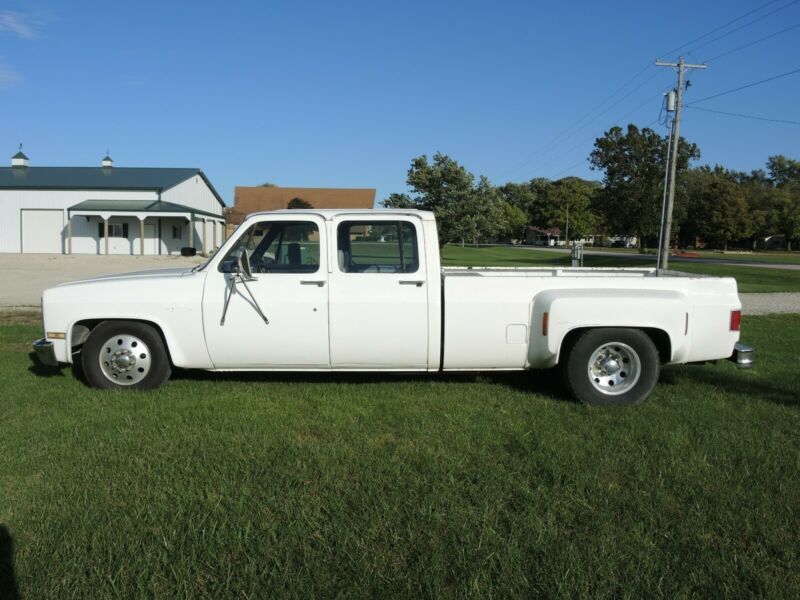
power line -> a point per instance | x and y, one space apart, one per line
753 43
743 87
761 18
705 35
744 116
581 123
581 161
596 135
597 116
561 137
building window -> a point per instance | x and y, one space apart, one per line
115 230
177 232
377 247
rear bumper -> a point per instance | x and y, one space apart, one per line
743 355
45 352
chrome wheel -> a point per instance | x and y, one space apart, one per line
614 368
125 359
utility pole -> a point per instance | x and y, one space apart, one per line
672 164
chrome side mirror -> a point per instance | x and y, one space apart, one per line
244 265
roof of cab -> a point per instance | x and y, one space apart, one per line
330 213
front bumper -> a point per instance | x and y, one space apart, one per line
45 352
743 356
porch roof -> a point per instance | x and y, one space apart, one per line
138 206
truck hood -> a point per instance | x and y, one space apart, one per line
136 275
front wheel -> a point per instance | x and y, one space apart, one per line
612 367
125 355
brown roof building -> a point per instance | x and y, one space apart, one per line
256 199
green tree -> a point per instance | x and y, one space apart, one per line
513 222
633 166
299 203
783 170
570 207
399 201
529 197
464 210
787 212
722 212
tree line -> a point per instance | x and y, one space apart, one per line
714 206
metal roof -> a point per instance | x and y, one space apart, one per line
98 178
150 206
20 155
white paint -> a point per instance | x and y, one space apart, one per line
193 192
361 334
297 334
42 231
150 238
369 321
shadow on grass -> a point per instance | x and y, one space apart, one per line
8 578
733 382
41 370
545 382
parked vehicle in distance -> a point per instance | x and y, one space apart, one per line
356 290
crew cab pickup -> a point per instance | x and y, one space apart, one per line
350 290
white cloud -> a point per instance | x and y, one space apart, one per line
19 24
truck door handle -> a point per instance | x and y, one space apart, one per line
319 283
417 283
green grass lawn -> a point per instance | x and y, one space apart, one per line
750 279
763 256
470 486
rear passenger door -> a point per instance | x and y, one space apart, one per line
378 302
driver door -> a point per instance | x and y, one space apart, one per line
290 286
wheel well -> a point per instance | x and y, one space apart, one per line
82 329
659 337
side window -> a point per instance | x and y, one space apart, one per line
115 230
377 247
277 247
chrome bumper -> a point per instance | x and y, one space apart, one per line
45 353
743 355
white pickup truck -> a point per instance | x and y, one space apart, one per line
349 290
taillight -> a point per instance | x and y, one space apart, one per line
736 320
545 319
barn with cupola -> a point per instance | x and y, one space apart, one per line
107 209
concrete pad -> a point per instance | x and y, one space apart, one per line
23 277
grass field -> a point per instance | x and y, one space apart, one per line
750 279
470 486
759 256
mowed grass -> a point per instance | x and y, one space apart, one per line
757 256
749 279
379 486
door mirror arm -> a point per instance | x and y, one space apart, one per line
243 275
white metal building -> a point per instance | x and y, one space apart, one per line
107 210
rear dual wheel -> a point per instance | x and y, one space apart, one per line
125 355
612 367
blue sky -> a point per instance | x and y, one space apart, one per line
344 94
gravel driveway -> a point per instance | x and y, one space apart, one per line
23 277
765 304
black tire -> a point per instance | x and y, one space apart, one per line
155 358
597 381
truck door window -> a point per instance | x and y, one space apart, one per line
377 247
277 247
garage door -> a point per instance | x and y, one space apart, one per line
42 231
